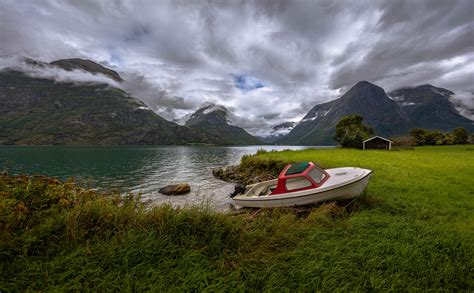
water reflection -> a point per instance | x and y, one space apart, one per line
134 169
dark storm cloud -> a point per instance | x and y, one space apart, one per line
409 36
179 55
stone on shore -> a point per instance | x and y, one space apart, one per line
175 189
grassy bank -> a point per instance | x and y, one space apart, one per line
413 229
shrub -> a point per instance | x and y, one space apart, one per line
433 137
403 141
460 136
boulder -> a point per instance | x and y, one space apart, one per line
175 189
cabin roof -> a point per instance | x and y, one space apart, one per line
388 140
297 168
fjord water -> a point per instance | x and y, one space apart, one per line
137 169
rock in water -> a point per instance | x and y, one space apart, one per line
175 189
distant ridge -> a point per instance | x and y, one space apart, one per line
429 107
212 120
364 98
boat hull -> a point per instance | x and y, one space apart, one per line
341 191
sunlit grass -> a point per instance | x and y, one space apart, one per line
411 230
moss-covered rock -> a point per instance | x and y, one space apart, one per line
251 169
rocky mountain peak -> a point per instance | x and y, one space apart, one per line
430 107
436 90
212 119
364 91
364 98
34 63
86 65
408 96
213 114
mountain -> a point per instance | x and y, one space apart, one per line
213 121
430 107
283 128
278 131
364 98
43 111
86 65
464 109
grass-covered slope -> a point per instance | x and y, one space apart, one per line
412 230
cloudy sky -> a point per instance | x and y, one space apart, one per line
267 61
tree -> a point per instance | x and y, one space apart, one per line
460 136
434 137
350 132
419 136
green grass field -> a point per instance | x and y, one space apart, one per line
413 230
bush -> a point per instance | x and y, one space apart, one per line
403 141
460 136
433 137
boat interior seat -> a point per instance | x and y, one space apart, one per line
266 190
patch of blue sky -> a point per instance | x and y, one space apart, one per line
247 83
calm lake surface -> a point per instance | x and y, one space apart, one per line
137 169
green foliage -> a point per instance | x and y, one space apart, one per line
460 136
404 233
433 137
350 132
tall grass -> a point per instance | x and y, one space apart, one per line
411 230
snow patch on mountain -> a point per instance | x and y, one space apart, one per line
317 114
397 98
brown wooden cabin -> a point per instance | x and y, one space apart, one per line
377 143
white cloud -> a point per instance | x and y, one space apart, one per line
54 72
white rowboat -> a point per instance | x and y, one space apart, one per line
306 184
